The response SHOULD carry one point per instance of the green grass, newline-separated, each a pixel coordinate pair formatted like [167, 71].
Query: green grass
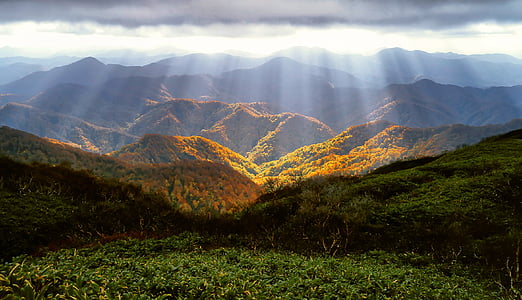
[180, 267]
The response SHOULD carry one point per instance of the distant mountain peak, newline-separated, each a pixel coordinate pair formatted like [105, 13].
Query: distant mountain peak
[88, 61]
[425, 81]
[392, 50]
[282, 60]
[399, 51]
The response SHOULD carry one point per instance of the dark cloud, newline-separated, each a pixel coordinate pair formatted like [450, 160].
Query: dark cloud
[130, 13]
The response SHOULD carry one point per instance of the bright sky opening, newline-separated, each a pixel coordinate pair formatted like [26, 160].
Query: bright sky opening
[58, 27]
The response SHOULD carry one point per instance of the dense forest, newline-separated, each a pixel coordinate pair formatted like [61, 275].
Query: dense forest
[457, 215]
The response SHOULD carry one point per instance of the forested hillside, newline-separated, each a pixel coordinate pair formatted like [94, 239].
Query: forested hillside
[200, 186]
[360, 149]
[42, 204]
[155, 148]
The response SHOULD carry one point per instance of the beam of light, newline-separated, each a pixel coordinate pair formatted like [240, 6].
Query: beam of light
[297, 91]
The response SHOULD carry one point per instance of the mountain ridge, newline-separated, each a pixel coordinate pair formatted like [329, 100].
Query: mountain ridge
[199, 186]
[362, 148]
[322, 91]
[155, 148]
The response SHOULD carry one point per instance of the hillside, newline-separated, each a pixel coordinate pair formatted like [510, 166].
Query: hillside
[184, 266]
[362, 148]
[461, 206]
[154, 148]
[199, 186]
[43, 203]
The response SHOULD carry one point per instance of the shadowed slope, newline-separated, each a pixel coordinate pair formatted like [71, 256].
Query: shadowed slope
[68, 129]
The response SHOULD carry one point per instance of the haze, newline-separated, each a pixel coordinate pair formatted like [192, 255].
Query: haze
[59, 27]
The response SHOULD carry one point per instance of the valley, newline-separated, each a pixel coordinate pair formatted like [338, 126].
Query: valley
[277, 149]
[231, 165]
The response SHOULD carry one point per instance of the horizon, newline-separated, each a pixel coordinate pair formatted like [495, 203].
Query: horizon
[136, 54]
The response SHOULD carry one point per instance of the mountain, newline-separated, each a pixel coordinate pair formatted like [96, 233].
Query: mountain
[210, 64]
[15, 71]
[88, 72]
[199, 186]
[426, 103]
[70, 130]
[113, 104]
[244, 128]
[494, 58]
[286, 84]
[362, 148]
[399, 66]
[292, 130]
[155, 148]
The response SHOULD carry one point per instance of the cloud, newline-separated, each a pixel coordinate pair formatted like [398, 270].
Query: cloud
[133, 13]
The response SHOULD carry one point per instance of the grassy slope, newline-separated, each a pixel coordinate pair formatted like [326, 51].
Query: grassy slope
[182, 267]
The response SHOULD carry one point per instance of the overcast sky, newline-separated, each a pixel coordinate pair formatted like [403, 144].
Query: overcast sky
[81, 27]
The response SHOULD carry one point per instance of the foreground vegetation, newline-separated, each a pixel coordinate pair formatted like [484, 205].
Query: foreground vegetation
[407, 229]
[183, 267]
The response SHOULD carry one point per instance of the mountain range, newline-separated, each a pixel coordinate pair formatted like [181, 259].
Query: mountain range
[300, 111]
[249, 129]
[400, 66]
[420, 89]
[357, 150]
[362, 148]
